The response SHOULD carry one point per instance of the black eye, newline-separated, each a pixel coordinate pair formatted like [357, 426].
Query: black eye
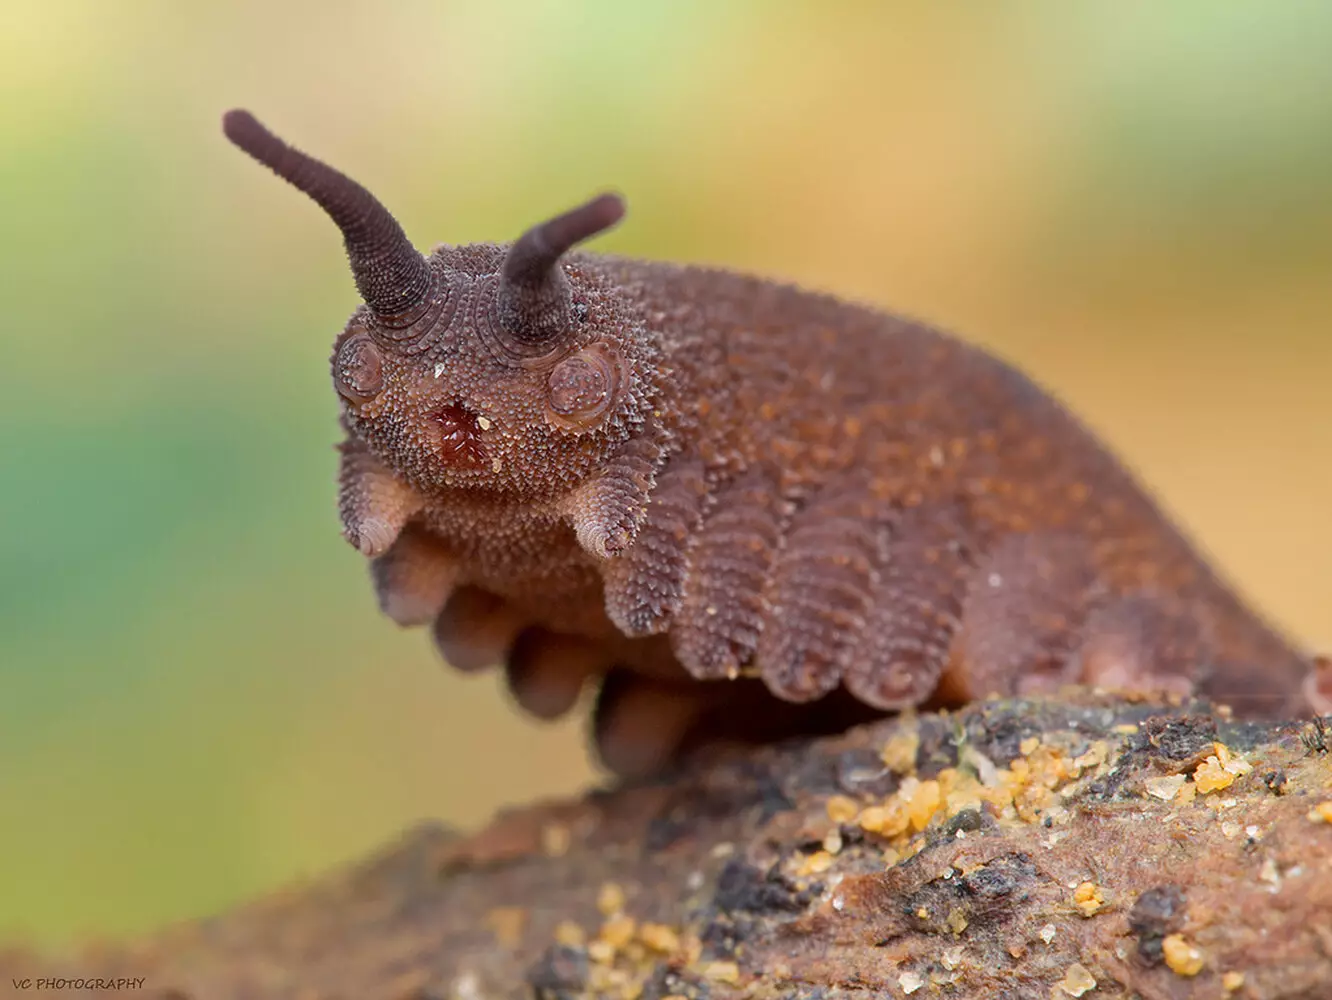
[358, 369]
[580, 312]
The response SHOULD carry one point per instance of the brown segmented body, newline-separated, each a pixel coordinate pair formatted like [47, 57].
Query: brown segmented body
[584, 465]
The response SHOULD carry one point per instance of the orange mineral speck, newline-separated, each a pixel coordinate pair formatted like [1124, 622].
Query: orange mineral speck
[610, 899]
[842, 809]
[815, 864]
[1211, 776]
[618, 931]
[507, 923]
[1089, 899]
[889, 820]
[1182, 958]
[899, 753]
[555, 839]
[722, 972]
[570, 934]
[660, 938]
[924, 802]
[1321, 813]
[1077, 981]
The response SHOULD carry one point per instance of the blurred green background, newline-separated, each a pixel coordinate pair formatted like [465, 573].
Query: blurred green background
[198, 700]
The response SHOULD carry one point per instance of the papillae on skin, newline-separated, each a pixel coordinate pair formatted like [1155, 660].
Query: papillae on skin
[746, 509]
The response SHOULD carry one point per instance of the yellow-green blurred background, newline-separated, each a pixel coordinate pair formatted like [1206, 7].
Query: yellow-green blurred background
[197, 698]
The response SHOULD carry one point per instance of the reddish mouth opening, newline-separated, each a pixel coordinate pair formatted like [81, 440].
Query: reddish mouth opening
[460, 436]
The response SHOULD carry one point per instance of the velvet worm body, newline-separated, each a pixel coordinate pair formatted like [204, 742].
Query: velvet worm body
[745, 509]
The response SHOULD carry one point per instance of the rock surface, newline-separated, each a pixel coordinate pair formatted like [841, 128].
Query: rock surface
[1017, 849]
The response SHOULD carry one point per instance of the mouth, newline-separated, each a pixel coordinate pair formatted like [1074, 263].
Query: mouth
[460, 437]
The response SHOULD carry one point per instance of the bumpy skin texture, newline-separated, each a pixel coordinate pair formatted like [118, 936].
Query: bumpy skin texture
[751, 509]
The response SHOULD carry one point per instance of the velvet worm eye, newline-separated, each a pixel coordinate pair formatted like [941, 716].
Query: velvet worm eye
[358, 370]
[583, 388]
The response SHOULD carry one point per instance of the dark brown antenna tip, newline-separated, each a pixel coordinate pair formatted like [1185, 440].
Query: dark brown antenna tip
[393, 278]
[534, 292]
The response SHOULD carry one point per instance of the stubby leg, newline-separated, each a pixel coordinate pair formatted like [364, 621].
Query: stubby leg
[414, 578]
[546, 671]
[374, 504]
[640, 723]
[1022, 616]
[476, 629]
[1144, 642]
